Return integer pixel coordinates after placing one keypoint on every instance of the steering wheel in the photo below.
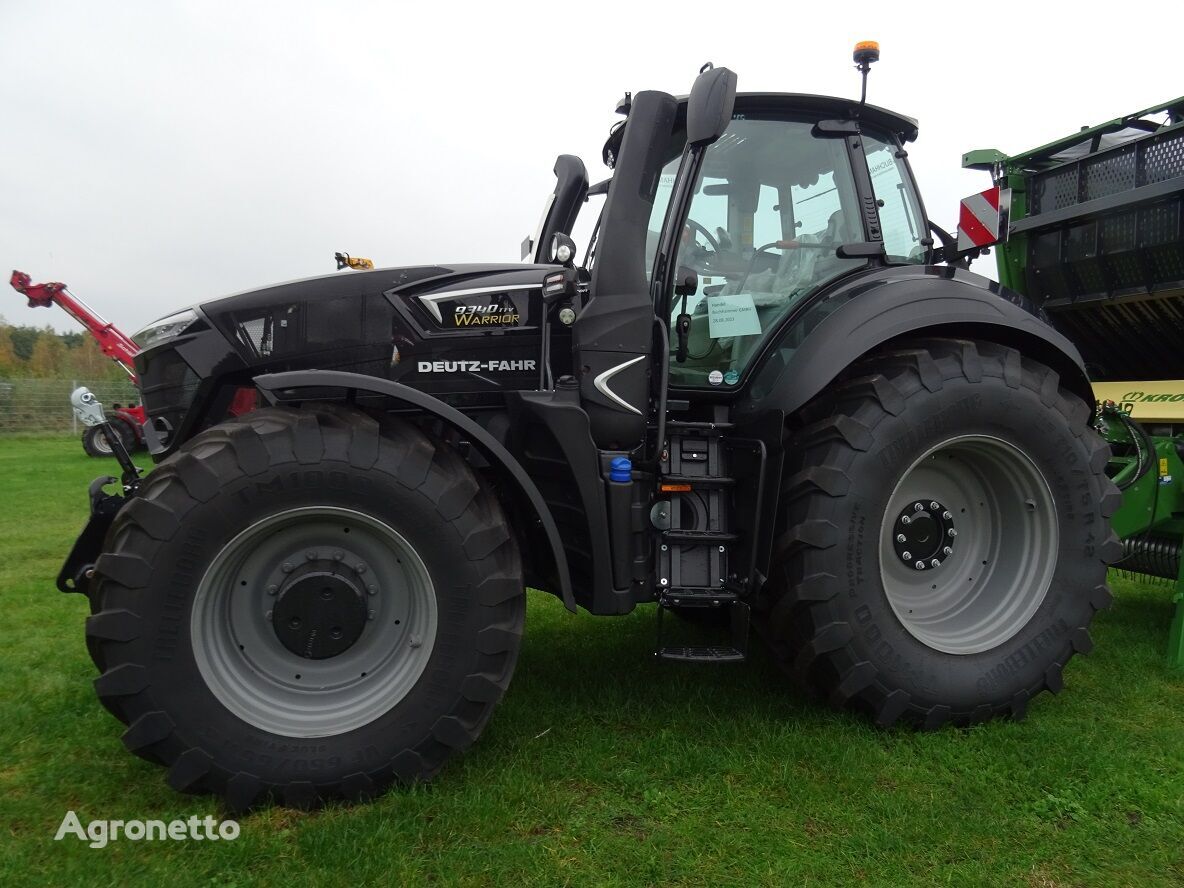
(781, 245)
(691, 223)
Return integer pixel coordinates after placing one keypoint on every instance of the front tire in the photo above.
(302, 605)
(945, 536)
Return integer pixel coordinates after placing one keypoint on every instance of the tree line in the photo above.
(43, 353)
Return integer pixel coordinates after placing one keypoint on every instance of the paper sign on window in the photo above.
(732, 315)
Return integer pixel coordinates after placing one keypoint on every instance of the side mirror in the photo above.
(709, 108)
(561, 250)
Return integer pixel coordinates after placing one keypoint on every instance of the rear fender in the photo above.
(845, 323)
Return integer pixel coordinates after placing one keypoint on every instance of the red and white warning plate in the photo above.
(979, 219)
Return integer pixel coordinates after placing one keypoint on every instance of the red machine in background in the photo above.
(128, 421)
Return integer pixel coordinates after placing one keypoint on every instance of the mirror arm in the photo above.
(688, 283)
(682, 329)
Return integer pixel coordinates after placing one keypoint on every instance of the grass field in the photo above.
(604, 768)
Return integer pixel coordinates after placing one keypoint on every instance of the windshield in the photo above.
(770, 207)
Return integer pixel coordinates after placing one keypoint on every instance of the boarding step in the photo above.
(697, 598)
(736, 652)
(683, 483)
(699, 537)
(702, 654)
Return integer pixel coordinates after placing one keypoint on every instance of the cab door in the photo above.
(771, 203)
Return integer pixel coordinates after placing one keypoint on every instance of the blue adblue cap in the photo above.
(620, 469)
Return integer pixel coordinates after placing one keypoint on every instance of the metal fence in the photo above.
(43, 405)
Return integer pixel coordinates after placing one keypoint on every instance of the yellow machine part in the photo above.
(1161, 401)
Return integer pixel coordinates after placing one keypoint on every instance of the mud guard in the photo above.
(848, 321)
(278, 387)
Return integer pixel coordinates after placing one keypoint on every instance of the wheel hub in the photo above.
(319, 615)
(923, 535)
(304, 681)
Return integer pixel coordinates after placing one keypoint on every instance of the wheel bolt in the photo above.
(906, 556)
(952, 532)
(271, 590)
(370, 615)
(947, 550)
(287, 568)
(361, 568)
(933, 506)
(338, 556)
(905, 519)
(269, 615)
(372, 589)
(900, 537)
(935, 563)
(946, 514)
(917, 507)
(311, 555)
(920, 565)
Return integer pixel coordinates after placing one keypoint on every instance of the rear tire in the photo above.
(984, 440)
(95, 443)
(302, 605)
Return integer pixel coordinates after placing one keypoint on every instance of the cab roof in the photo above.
(902, 126)
(905, 128)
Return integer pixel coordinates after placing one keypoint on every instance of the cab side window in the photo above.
(900, 216)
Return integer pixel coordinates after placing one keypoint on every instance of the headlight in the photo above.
(164, 329)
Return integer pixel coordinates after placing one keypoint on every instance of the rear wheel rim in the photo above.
(254, 670)
(972, 589)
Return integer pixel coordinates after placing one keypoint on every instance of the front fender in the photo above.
(320, 385)
(838, 326)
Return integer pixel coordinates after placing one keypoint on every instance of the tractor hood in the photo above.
(460, 329)
(324, 321)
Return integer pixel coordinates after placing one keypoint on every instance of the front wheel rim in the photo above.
(986, 536)
(101, 444)
(256, 671)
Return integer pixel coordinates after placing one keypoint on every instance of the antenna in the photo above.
(866, 52)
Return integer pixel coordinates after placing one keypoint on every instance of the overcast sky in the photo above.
(156, 154)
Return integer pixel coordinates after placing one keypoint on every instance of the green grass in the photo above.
(603, 767)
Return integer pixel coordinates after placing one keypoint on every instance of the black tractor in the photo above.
(765, 394)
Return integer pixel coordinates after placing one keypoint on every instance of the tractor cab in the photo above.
(775, 212)
(797, 191)
(724, 216)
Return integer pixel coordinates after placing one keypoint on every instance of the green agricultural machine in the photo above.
(1091, 227)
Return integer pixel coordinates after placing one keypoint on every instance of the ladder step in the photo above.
(699, 426)
(699, 537)
(697, 480)
(705, 598)
(701, 654)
